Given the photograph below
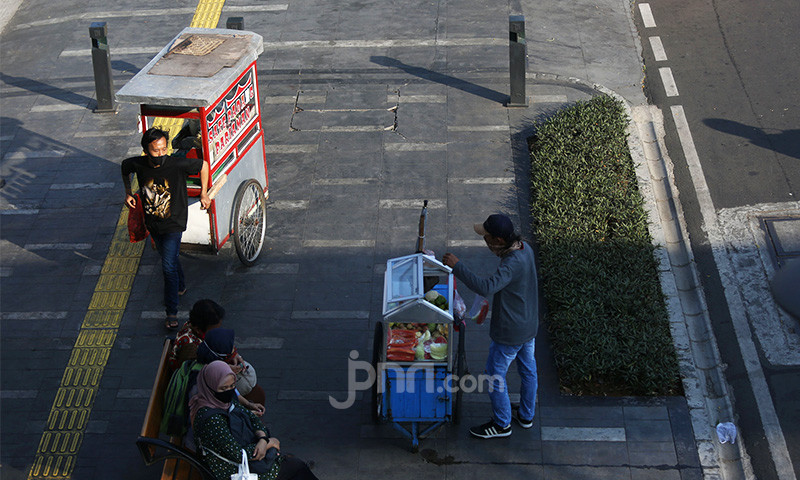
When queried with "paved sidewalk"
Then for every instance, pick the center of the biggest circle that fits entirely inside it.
(345, 195)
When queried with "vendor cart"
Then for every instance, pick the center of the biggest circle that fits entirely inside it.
(418, 370)
(203, 89)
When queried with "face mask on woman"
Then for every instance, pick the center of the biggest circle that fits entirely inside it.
(226, 396)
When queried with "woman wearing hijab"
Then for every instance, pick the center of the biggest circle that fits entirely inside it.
(223, 428)
(219, 345)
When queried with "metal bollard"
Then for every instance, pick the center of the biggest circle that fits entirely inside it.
(101, 62)
(235, 23)
(517, 52)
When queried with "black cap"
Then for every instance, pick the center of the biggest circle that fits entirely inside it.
(497, 225)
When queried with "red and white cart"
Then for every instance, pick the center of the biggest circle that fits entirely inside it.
(203, 88)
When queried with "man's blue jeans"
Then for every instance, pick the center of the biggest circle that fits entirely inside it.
(497, 365)
(169, 246)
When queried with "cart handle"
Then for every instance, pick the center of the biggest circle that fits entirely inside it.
(421, 235)
(213, 191)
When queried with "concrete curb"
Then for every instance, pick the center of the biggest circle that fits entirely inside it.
(705, 388)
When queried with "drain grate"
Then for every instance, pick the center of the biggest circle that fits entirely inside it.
(783, 234)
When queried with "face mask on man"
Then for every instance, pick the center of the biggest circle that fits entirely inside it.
(158, 161)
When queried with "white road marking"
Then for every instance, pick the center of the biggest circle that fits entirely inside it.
(22, 211)
(148, 315)
(145, 13)
(283, 99)
(81, 186)
(668, 80)
(61, 107)
(303, 44)
(456, 42)
(18, 393)
(349, 129)
(482, 180)
(25, 155)
(344, 181)
(583, 434)
(85, 52)
(57, 246)
(658, 49)
(755, 374)
(289, 205)
(549, 98)
(339, 244)
(297, 148)
(33, 315)
(107, 133)
(415, 203)
(416, 99)
(477, 128)
(466, 243)
(415, 147)
(647, 15)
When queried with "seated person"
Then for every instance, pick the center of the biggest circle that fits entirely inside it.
(205, 315)
(218, 345)
(188, 138)
(222, 428)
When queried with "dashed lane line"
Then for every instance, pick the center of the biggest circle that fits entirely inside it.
(670, 87)
(647, 15)
(657, 46)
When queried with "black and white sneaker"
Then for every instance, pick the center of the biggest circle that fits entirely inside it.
(521, 421)
(490, 430)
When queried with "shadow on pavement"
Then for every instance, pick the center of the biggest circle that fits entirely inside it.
(784, 142)
(41, 88)
(447, 80)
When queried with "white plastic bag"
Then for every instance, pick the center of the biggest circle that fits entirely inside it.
(479, 310)
(726, 432)
(244, 470)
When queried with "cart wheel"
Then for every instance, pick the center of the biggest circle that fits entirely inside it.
(250, 221)
(377, 398)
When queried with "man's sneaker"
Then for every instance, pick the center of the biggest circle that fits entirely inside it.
(522, 422)
(490, 430)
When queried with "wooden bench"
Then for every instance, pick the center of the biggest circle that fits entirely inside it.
(180, 463)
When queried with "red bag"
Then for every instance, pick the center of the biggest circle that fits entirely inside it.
(137, 231)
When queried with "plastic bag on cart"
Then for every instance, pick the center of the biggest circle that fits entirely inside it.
(479, 309)
(459, 307)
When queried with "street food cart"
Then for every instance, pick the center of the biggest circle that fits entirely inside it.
(418, 369)
(203, 88)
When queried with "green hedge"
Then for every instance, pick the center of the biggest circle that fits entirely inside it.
(606, 313)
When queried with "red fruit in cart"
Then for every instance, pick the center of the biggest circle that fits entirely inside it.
(440, 340)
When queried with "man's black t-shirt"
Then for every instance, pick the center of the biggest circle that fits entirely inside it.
(163, 190)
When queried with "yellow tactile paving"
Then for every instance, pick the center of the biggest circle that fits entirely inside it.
(69, 415)
(207, 14)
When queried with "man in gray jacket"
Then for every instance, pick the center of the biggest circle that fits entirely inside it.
(515, 321)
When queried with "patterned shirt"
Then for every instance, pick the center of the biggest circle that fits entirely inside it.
(214, 434)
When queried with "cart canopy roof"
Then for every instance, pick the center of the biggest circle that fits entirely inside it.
(194, 69)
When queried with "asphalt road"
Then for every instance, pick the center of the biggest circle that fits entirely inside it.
(734, 65)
